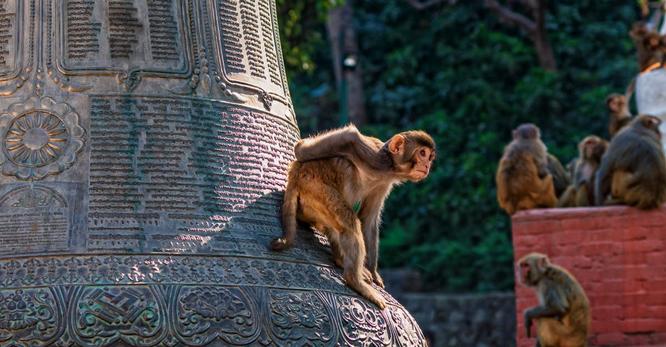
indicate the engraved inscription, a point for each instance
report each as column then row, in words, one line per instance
column 248, row 43
column 82, row 30
column 8, row 36
column 163, row 30
column 33, row 219
column 123, row 35
column 268, row 39
column 251, row 34
column 231, row 37
column 180, row 170
column 123, row 28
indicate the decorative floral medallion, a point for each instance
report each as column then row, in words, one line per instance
column 40, row 138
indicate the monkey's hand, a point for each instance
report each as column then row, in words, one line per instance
column 528, row 325
column 307, row 149
column 298, row 150
column 377, row 279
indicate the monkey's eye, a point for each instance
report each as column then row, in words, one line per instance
column 422, row 152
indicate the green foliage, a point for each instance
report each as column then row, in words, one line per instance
column 466, row 78
column 308, row 62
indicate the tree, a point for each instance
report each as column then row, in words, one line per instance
column 534, row 27
column 345, row 54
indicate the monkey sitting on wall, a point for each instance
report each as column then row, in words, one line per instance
column 633, row 170
column 563, row 314
column 618, row 113
column 581, row 192
column 523, row 179
column 338, row 185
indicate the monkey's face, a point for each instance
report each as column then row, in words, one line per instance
column 593, row 147
column 412, row 153
column 523, row 272
column 422, row 162
column 616, row 104
column 531, row 268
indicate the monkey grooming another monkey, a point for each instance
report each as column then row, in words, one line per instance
column 563, row 314
column 618, row 113
column 633, row 170
column 581, row 192
column 338, row 185
column 523, row 180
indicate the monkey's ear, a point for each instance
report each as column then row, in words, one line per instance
column 396, row 144
column 542, row 263
column 651, row 122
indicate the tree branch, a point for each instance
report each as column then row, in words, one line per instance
column 422, row 5
column 511, row 17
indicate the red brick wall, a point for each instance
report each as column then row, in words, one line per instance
column 617, row 254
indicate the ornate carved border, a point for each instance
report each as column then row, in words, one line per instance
column 192, row 315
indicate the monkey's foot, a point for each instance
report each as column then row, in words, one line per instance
column 378, row 300
column 367, row 276
column 355, row 283
column 377, row 279
column 279, row 244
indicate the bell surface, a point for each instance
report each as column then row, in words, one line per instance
column 145, row 145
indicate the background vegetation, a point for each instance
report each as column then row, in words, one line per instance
column 456, row 71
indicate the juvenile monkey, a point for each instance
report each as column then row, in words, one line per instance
column 633, row 170
column 563, row 314
column 618, row 113
column 338, row 185
column 523, row 180
column 581, row 192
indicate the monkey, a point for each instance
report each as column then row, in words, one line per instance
column 561, row 178
column 338, row 184
column 633, row 170
column 618, row 113
column 523, row 180
column 581, row 192
column 647, row 44
column 563, row 314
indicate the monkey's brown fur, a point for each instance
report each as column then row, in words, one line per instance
column 633, row 170
column 563, row 314
column 357, row 170
column 581, row 192
column 618, row 113
column 523, row 180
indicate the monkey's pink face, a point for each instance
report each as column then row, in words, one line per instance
column 524, row 273
column 616, row 104
column 589, row 147
column 423, row 158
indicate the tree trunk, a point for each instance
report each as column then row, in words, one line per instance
column 349, row 81
column 545, row 53
column 540, row 36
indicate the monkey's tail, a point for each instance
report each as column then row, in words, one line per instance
column 289, row 207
